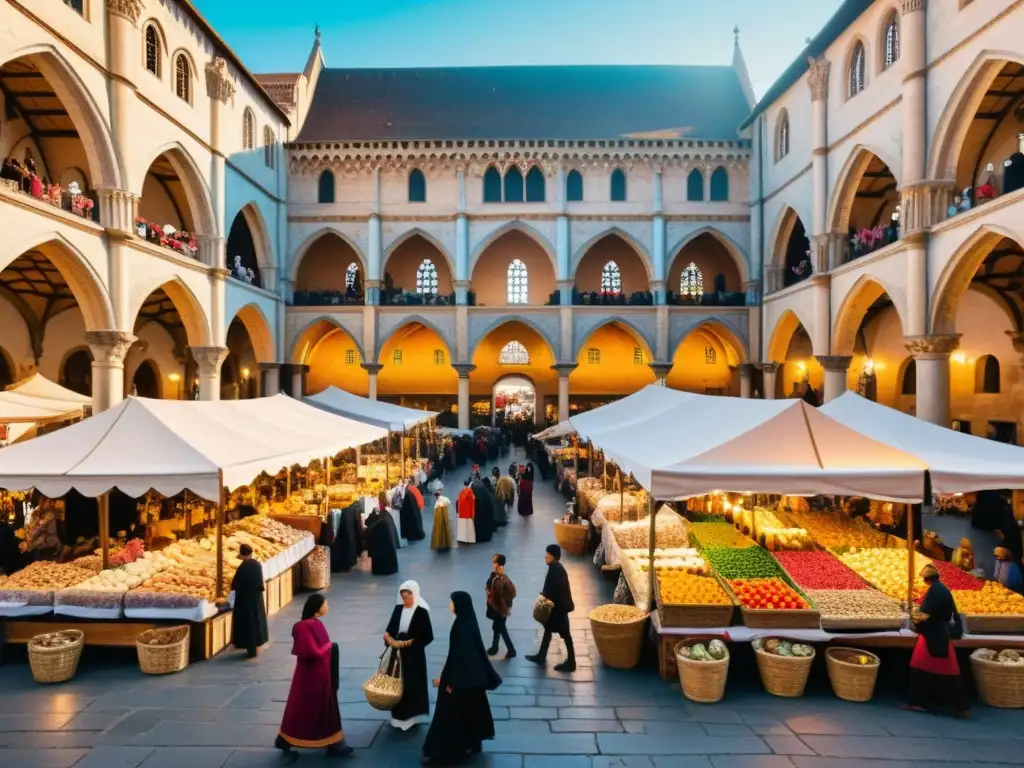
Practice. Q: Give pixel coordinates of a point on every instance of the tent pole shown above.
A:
(622, 495)
(651, 536)
(590, 459)
(327, 463)
(220, 531)
(288, 483)
(103, 507)
(387, 464)
(401, 467)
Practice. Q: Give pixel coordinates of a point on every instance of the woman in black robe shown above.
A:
(410, 632)
(382, 543)
(484, 521)
(462, 717)
(249, 619)
(411, 517)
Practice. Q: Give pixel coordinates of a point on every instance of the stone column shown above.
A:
(124, 46)
(773, 277)
(769, 371)
(372, 369)
(221, 89)
(563, 370)
(746, 380)
(209, 361)
(913, 62)
(931, 357)
(271, 384)
(299, 380)
(658, 255)
(836, 367)
(661, 371)
(109, 349)
(817, 81)
(463, 284)
(463, 370)
(563, 247)
(374, 258)
(916, 259)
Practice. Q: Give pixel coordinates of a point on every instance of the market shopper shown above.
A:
(249, 618)
(526, 491)
(557, 590)
(381, 539)
(409, 632)
(441, 534)
(312, 717)
(935, 681)
(466, 510)
(462, 718)
(484, 517)
(500, 594)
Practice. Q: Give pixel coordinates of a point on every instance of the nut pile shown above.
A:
(617, 614)
(47, 576)
(54, 640)
(669, 532)
(384, 684)
(854, 604)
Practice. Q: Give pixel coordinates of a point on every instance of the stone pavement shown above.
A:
(225, 713)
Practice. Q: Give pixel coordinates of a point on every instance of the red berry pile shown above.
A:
(819, 570)
(767, 594)
(954, 578)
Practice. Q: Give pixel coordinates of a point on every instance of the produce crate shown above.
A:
(999, 624)
(768, 618)
(854, 623)
(695, 616)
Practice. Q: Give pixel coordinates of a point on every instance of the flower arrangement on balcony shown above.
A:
(167, 237)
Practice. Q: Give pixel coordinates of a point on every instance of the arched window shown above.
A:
(417, 186)
(248, 130)
(492, 185)
(352, 277)
(518, 283)
(593, 356)
(710, 356)
(909, 384)
(986, 375)
(183, 78)
(782, 136)
(611, 278)
(574, 187)
(396, 357)
(695, 186)
(76, 5)
(691, 282)
(513, 185)
(892, 40)
(268, 146)
(858, 69)
(426, 278)
(535, 185)
(720, 185)
(153, 58)
(513, 353)
(618, 186)
(325, 188)
(638, 356)
(350, 357)
(438, 357)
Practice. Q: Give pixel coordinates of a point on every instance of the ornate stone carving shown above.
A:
(910, 6)
(127, 9)
(661, 370)
(209, 360)
(770, 369)
(372, 368)
(932, 347)
(118, 210)
(463, 369)
(746, 370)
(835, 362)
(817, 77)
(109, 347)
(219, 85)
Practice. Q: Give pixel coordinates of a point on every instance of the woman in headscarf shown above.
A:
(409, 631)
(934, 672)
(526, 491)
(441, 535)
(312, 718)
(462, 718)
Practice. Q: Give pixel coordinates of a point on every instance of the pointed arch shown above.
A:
(513, 226)
(621, 322)
(500, 321)
(197, 193)
(574, 187)
(856, 69)
(90, 122)
(613, 232)
(314, 332)
(184, 73)
(417, 186)
(412, 320)
(154, 48)
(735, 347)
(781, 336)
(260, 333)
(695, 186)
(618, 186)
(719, 185)
(404, 237)
(782, 230)
(731, 246)
(889, 40)
(846, 325)
(492, 185)
(325, 186)
(848, 182)
(303, 249)
(535, 185)
(190, 309)
(513, 185)
(260, 234)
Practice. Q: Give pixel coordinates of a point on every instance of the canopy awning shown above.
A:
(173, 445)
(387, 415)
(555, 431)
(958, 463)
(679, 445)
(16, 408)
(38, 385)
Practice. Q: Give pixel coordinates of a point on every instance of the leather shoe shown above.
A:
(492, 651)
(566, 666)
(535, 658)
(511, 653)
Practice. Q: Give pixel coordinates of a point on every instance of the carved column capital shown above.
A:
(817, 77)
(770, 368)
(564, 369)
(126, 9)
(463, 369)
(118, 210)
(212, 251)
(209, 360)
(911, 6)
(372, 368)
(661, 370)
(109, 347)
(835, 362)
(746, 369)
(932, 347)
(219, 85)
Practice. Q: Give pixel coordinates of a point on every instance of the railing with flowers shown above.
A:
(167, 236)
(20, 179)
(867, 240)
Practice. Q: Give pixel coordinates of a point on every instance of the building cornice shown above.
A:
(511, 215)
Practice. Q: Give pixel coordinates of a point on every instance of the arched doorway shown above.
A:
(703, 270)
(328, 271)
(514, 402)
(513, 349)
(333, 357)
(6, 370)
(790, 346)
(792, 252)
(612, 272)
(417, 370)
(146, 381)
(612, 362)
(866, 207)
(240, 379)
(243, 256)
(76, 372)
(513, 269)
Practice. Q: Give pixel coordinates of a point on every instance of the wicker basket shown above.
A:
(571, 538)
(384, 690)
(316, 569)
(851, 680)
(55, 665)
(619, 643)
(784, 676)
(701, 681)
(999, 685)
(169, 654)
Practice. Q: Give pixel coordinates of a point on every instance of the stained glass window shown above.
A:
(396, 358)
(858, 65)
(892, 41)
(352, 276)
(691, 282)
(426, 278)
(153, 50)
(518, 283)
(513, 353)
(438, 357)
(638, 356)
(611, 278)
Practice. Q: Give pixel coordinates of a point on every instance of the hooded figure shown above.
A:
(410, 632)
(486, 517)
(382, 542)
(462, 718)
(412, 519)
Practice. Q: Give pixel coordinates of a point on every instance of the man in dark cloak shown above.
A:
(345, 549)
(249, 620)
(485, 510)
(557, 590)
(382, 543)
(411, 517)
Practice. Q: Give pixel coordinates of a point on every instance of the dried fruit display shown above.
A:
(819, 570)
(679, 588)
(54, 640)
(767, 594)
(46, 576)
(670, 532)
(854, 604)
(617, 614)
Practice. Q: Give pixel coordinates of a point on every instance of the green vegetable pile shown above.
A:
(748, 563)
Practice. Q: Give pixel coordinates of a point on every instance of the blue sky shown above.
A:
(271, 36)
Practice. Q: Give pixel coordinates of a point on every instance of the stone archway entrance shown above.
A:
(514, 403)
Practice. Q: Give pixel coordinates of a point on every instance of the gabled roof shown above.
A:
(534, 102)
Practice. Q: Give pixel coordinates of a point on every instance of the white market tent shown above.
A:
(561, 429)
(395, 418)
(173, 445)
(679, 445)
(39, 386)
(958, 463)
(16, 408)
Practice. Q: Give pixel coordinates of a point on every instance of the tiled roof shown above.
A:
(543, 102)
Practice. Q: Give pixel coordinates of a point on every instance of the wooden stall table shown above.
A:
(311, 523)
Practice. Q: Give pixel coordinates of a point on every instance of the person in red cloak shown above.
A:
(312, 717)
(416, 492)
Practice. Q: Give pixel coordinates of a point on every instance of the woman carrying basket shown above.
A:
(409, 632)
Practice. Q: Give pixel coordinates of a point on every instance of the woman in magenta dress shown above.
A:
(525, 506)
(312, 718)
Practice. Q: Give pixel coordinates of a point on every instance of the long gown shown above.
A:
(411, 518)
(249, 617)
(441, 536)
(485, 518)
(935, 681)
(382, 543)
(462, 719)
(466, 510)
(525, 496)
(415, 703)
(312, 717)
